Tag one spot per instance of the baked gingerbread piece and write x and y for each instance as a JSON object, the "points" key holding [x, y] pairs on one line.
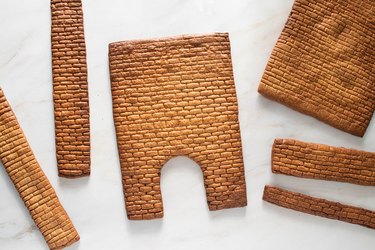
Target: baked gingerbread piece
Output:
{"points": [[31, 183], [176, 96], [70, 89], [323, 63], [318, 161], [320, 207]]}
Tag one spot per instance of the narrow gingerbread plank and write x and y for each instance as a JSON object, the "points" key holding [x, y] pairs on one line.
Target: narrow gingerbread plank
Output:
{"points": [[70, 89], [319, 207], [176, 96], [318, 161], [31, 183], [323, 63]]}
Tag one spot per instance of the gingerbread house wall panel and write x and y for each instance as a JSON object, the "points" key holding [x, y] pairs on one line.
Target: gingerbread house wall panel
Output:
{"points": [[323, 63], [176, 96]]}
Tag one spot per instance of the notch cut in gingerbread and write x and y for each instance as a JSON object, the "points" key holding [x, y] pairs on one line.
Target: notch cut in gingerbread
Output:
{"points": [[171, 97]]}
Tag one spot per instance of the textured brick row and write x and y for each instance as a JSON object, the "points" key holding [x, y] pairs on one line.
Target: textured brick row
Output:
{"points": [[317, 161], [31, 183], [70, 89], [319, 207], [323, 63], [176, 96]]}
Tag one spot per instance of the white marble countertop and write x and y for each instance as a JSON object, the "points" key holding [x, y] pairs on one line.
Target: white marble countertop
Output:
{"points": [[96, 204]]}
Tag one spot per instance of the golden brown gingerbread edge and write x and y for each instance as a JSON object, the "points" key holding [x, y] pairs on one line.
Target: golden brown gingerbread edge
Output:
{"points": [[319, 207], [70, 89], [281, 82], [31, 183], [118, 53]]}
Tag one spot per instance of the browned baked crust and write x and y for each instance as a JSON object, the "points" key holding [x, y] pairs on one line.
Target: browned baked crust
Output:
{"points": [[318, 161], [176, 96], [31, 183], [323, 63], [319, 207], [70, 89]]}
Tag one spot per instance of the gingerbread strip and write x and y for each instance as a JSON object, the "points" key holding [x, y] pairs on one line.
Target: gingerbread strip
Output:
{"points": [[319, 207], [70, 89], [323, 63], [31, 183], [317, 161], [176, 96]]}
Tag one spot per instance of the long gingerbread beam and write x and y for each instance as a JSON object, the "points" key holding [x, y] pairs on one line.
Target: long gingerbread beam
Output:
{"points": [[318, 161], [31, 183], [70, 89], [319, 207]]}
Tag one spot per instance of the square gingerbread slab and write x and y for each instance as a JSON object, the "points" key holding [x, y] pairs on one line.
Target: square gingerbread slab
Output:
{"points": [[323, 63], [176, 96]]}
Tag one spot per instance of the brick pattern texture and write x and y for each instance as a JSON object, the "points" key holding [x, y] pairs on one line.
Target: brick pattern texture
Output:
{"points": [[317, 161], [176, 96], [320, 207], [70, 89], [323, 63], [31, 183]]}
